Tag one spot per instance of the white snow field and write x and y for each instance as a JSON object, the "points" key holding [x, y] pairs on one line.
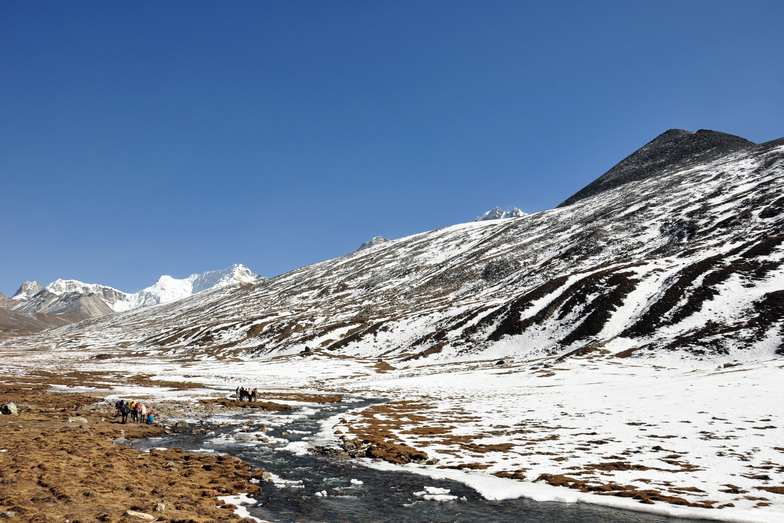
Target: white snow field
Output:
{"points": [[705, 434]]}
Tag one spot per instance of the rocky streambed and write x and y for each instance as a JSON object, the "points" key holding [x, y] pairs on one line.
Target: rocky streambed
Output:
{"points": [[304, 478], [60, 459]]}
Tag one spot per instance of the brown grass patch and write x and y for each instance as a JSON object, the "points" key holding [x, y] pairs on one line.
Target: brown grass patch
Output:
{"points": [[382, 367], [52, 469], [259, 405], [498, 447], [517, 474], [429, 431], [305, 398], [646, 496], [774, 490], [96, 379]]}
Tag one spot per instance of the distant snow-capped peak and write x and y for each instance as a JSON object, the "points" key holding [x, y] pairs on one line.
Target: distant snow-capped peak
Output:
{"points": [[168, 289], [499, 214], [27, 290], [60, 287], [378, 240], [237, 273]]}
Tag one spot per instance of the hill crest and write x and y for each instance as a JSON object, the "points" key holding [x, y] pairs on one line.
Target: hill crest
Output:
{"points": [[686, 263], [673, 149]]}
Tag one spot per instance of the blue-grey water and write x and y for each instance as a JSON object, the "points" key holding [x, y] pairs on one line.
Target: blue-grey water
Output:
{"points": [[316, 489]]}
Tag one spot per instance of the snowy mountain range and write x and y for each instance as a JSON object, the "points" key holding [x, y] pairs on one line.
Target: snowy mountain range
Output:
{"points": [[168, 289], [684, 255], [623, 349], [74, 300]]}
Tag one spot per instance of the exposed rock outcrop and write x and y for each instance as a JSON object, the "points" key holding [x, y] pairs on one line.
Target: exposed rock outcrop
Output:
{"points": [[672, 149]]}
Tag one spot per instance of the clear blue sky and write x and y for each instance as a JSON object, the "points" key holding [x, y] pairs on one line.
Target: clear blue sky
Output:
{"points": [[147, 138]]}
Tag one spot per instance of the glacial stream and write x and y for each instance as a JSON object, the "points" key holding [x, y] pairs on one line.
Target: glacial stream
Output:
{"points": [[314, 489]]}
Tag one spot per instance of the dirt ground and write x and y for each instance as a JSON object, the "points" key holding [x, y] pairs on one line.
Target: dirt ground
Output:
{"points": [[59, 463]]}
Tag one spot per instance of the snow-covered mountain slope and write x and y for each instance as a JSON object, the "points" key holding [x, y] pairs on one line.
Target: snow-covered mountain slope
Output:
{"points": [[687, 262], [62, 302], [74, 300], [108, 295]]}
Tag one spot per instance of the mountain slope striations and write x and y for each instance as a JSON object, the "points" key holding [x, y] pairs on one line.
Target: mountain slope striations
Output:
{"points": [[686, 262]]}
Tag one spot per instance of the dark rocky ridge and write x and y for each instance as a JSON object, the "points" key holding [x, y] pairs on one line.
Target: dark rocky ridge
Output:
{"points": [[675, 148], [72, 303]]}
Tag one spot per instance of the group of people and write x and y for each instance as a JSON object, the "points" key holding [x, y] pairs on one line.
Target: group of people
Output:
{"points": [[244, 394], [137, 411]]}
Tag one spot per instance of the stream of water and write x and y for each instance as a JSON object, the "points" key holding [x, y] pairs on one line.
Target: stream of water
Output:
{"points": [[313, 489]]}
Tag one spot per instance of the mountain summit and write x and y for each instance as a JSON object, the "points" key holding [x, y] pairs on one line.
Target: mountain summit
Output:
{"points": [[673, 149], [378, 240], [27, 290], [499, 214]]}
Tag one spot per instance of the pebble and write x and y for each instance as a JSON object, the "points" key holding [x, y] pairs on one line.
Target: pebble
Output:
{"points": [[141, 515]]}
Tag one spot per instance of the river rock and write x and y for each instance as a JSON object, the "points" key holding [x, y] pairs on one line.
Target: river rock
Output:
{"points": [[261, 475], [10, 409], [181, 425], [330, 452]]}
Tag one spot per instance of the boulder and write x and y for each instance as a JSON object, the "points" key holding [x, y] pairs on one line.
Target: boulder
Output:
{"points": [[10, 409], [180, 426]]}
